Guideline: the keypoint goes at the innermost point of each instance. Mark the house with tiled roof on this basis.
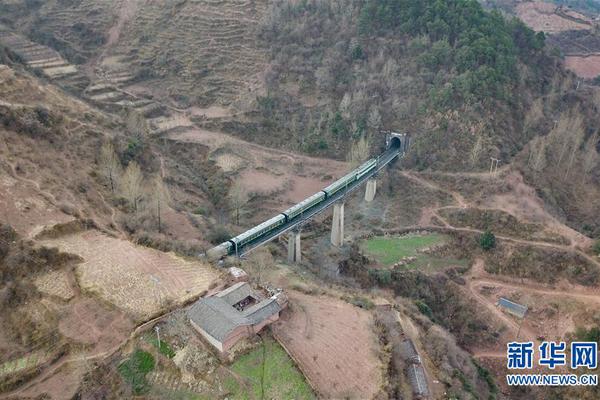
(233, 314)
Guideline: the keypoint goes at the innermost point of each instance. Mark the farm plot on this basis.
(89, 322)
(269, 369)
(333, 344)
(586, 66)
(55, 283)
(138, 280)
(414, 250)
(546, 17)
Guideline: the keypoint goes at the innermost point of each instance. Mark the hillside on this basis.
(136, 134)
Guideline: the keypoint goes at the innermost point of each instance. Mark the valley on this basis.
(136, 135)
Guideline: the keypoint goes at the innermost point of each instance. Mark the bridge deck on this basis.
(382, 161)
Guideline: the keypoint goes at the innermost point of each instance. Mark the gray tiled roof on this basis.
(216, 317)
(261, 311)
(219, 318)
(236, 293)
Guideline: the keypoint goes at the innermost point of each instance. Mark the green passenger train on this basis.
(232, 246)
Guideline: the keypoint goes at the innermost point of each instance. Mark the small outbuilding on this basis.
(233, 314)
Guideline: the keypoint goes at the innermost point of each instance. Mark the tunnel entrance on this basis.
(396, 140)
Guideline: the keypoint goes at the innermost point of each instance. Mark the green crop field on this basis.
(135, 368)
(278, 376)
(389, 250)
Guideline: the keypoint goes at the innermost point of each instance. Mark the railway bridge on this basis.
(292, 220)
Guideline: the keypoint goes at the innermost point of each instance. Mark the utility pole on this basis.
(157, 329)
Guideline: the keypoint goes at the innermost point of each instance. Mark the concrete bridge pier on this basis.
(371, 190)
(337, 226)
(294, 249)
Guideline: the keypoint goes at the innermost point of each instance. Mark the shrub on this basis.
(200, 211)
(487, 241)
(596, 247)
(219, 235)
(381, 277)
(588, 335)
(164, 348)
(424, 309)
(362, 302)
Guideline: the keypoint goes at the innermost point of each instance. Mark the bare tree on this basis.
(576, 140)
(136, 124)
(159, 198)
(567, 133)
(238, 198)
(591, 157)
(359, 151)
(345, 105)
(131, 184)
(109, 164)
(535, 114)
(476, 150)
(374, 119)
(261, 259)
(538, 154)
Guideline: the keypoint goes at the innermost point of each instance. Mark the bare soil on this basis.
(88, 322)
(587, 66)
(554, 311)
(25, 209)
(287, 177)
(541, 16)
(61, 384)
(334, 345)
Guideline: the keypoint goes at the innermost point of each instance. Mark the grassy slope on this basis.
(389, 250)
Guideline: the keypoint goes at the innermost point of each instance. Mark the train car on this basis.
(304, 205)
(340, 184)
(366, 168)
(220, 251)
(258, 230)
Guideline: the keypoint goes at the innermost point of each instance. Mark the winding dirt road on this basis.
(478, 278)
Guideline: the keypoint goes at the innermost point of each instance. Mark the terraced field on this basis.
(43, 58)
(207, 47)
(138, 280)
(76, 28)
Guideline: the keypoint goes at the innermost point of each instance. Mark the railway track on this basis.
(285, 224)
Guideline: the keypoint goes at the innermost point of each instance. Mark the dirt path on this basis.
(125, 14)
(530, 288)
(490, 305)
(127, 11)
(66, 359)
(428, 214)
(285, 177)
(51, 199)
(477, 278)
(458, 198)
